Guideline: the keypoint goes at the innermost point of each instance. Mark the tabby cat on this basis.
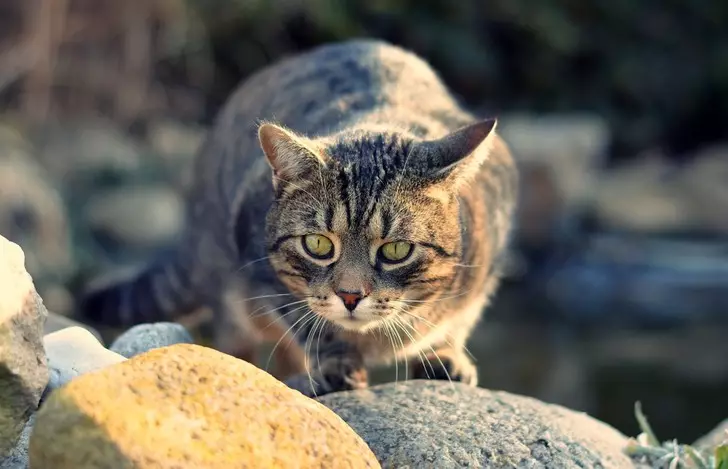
(345, 206)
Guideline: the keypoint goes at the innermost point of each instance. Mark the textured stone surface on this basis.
(145, 337)
(72, 352)
(189, 406)
(23, 372)
(431, 424)
(18, 457)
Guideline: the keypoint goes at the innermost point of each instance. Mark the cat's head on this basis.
(365, 224)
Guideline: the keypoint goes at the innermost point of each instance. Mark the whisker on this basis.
(420, 353)
(401, 343)
(433, 326)
(442, 364)
(251, 263)
(270, 356)
(281, 317)
(318, 343)
(437, 299)
(388, 331)
(277, 295)
(255, 313)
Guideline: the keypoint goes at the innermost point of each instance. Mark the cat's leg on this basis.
(445, 363)
(334, 365)
(233, 331)
(287, 355)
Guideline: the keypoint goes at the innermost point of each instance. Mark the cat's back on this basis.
(321, 90)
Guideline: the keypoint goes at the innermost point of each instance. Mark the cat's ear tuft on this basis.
(460, 153)
(291, 156)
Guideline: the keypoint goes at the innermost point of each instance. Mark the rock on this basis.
(170, 138)
(90, 148)
(144, 217)
(72, 352)
(189, 406)
(573, 145)
(644, 195)
(435, 424)
(717, 436)
(33, 215)
(706, 190)
(145, 337)
(559, 159)
(177, 145)
(56, 322)
(18, 457)
(23, 372)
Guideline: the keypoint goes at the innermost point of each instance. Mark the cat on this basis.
(346, 206)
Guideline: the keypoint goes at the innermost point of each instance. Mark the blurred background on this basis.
(617, 288)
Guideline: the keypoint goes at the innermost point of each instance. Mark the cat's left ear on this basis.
(457, 156)
(291, 156)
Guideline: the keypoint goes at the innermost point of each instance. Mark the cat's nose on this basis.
(350, 299)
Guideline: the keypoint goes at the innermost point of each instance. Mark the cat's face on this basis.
(366, 226)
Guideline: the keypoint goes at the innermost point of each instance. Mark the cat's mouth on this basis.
(365, 317)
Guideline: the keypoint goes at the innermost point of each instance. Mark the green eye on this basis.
(318, 246)
(395, 252)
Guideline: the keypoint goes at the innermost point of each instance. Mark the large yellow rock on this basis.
(187, 406)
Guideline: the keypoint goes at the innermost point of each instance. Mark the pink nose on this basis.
(350, 299)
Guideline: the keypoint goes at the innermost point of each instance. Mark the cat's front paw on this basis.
(329, 379)
(447, 366)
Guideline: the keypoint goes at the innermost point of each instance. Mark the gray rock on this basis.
(145, 337)
(18, 457)
(143, 217)
(75, 150)
(573, 146)
(717, 436)
(33, 215)
(72, 352)
(176, 144)
(56, 322)
(23, 372)
(432, 424)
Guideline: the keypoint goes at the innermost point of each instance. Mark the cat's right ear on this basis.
(291, 156)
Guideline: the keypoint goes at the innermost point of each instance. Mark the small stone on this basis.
(90, 148)
(72, 352)
(32, 215)
(18, 457)
(143, 217)
(643, 195)
(56, 322)
(435, 424)
(189, 406)
(573, 146)
(145, 337)
(23, 372)
(177, 145)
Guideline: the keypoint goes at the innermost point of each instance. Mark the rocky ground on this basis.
(153, 399)
(631, 310)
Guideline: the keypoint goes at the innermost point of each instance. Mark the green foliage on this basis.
(721, 457)
(656, 70)
(647, 450)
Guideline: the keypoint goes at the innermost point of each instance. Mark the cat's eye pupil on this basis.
(395, 252)
(318, 246)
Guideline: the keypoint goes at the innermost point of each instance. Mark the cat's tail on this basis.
(163, 291)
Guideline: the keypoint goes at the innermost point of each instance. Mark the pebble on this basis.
(145, 337)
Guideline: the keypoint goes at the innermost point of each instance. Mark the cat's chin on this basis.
(356, 324)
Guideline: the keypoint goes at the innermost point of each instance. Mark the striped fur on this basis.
(362, 142)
